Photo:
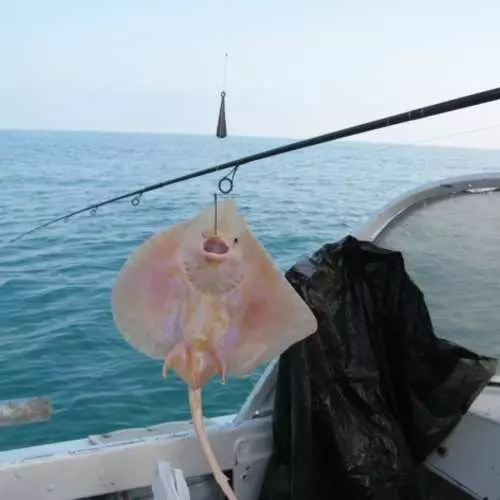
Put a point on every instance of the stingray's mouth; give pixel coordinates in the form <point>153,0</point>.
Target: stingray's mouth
<point>215,245</point>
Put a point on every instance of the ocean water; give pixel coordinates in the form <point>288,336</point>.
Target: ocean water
<point>57,336</point>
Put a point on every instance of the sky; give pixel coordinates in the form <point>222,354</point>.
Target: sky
<point>295,69</point>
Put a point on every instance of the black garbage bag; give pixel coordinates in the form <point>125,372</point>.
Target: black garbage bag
<point>362,402</point>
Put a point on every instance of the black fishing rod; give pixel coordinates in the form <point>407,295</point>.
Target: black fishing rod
<point>415,114</point>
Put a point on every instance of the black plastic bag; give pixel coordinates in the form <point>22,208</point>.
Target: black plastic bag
<point>362,402</point>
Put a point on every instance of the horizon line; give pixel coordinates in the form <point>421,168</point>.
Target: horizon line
<point>418,143</point>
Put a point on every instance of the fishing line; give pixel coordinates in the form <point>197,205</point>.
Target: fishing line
<point>225,73</point>
<point>215,215</point>
<point>415,114</point>
<point>456,134</point>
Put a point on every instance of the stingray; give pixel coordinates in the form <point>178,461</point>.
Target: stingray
<point>206,297</point>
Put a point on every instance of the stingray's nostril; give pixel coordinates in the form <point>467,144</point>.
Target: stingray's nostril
<point>215,245</point>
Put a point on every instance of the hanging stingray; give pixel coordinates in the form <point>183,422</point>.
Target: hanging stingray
<point>221,123</point>
<point>205,296</point>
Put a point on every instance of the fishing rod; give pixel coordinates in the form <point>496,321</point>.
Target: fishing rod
<point>228,180</point>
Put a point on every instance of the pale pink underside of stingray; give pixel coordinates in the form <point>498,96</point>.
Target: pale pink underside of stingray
<point>154,302</point>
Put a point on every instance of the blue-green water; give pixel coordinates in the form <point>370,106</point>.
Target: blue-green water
<point>57,337</point>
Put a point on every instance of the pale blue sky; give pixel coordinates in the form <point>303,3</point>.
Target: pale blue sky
<point>296,68</point>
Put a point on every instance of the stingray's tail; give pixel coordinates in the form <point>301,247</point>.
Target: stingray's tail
<point>197,414</point>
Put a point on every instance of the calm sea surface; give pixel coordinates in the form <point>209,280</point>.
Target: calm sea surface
<point>57,337</point>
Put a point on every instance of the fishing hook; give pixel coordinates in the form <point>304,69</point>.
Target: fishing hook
<point>229,179</point>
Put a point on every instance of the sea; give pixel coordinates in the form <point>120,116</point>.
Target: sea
<point>57,336</point>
